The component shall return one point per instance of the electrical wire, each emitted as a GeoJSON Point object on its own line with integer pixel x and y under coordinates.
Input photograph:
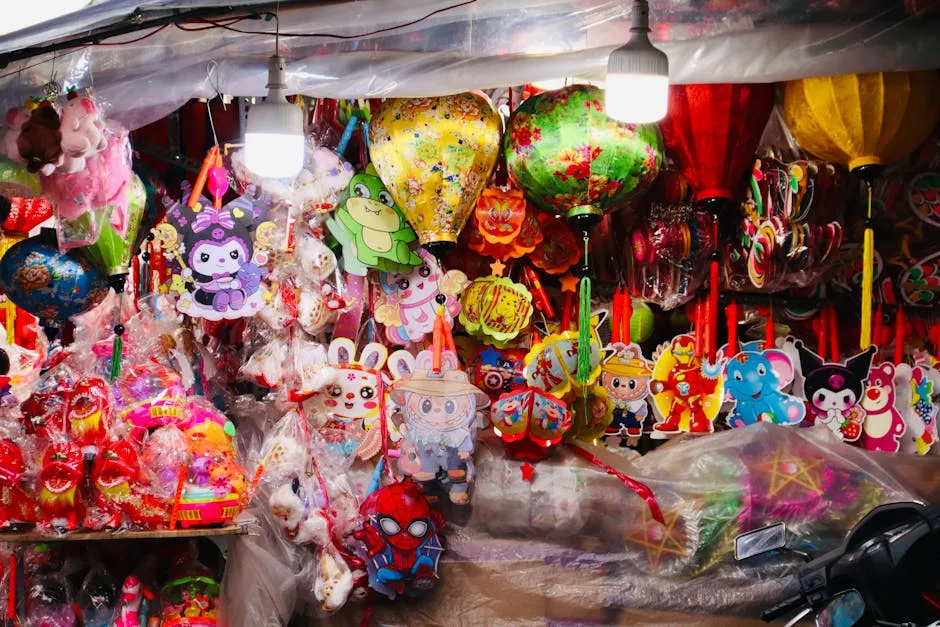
{"type": "Point", "coordinates": [131, 41]}
{"type": "Point", "coordinates": [344, 37]}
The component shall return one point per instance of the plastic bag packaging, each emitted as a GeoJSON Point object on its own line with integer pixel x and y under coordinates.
{"type": "Point", "coordinates": [576, 544]}
{"type": "Point", "coordinates": [18, 508]}
{"type": "Point", "coordinates": [792, 212]}
{"type": "Point", "coordinates": [49, 602]}
{"type": "Point", "coordinates": [97, 597]}
{"type": "Point", "coordinates": [470, 47]}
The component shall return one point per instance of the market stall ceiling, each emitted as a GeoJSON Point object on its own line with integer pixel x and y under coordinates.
{"type": "Point", "coordinates": [464, 45]}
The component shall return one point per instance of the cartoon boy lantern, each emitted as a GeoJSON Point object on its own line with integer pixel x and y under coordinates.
{"type": "Point", "coordinates": [439, 420]}
{"type": "Point", "coordinates": [626, 378]}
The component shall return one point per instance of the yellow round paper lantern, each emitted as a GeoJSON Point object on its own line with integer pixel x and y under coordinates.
{"type": "Point", "coordinates": [436, 156]}
{"type": "Point", "coordinates": [862, 120]}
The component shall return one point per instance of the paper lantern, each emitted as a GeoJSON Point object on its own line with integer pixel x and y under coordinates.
{"type": "Point", "coordinates": [571, 159]}
{"type": "Point", "coordinates": [436, 156]}
{"type": "Point", "coordinates": [712, 132]}
{"type": "Point", "coordinates": [495, 309]}
{"type": "Point", "coordinates": [50, 285]}
{"type": "Point", "coordinates": [530, 422]}
{"type": "Point", "coordinates": [863, 121]}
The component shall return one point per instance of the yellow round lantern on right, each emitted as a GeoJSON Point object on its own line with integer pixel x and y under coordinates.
{"type": "Point", "coordinates": [864, 121]}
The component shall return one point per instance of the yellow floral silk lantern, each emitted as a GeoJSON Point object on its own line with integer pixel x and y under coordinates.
{"type": "Point", "coordinates": [864, 121]}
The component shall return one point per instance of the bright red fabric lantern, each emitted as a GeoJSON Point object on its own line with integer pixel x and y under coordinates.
{"type": "Point", "coordinates": [712, 131]}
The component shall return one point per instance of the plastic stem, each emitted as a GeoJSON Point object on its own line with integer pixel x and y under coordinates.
{"type": "Point", "coordinates": [626, 318]}
{"type": "Point", "coordinates": [899, 324]}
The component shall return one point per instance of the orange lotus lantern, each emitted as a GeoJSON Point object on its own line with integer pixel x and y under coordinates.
{"type": "Point", "coordinates": [499, 215]}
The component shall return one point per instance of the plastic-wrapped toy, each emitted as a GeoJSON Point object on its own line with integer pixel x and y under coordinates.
{"type": "Point", "coordinates": [97, 596]}
{"type": "Point", "coordinates": [884, 425]}
{"type": "Point", "coordinates": [294, 505]}
{"type": "Point", "coordinates": [127, 613]}
{"type": "Point", "coordinates": [43, 412]}
{"type": "Point", "coordinates": [834, 391]}
{"type": "Point", "coordinates": [164, 452]}
{"type": "Point", "coordinates": [214, 484]}
{"type": "Point", "coordinates": [914, 399]}
{"type": "Point", "coordinates": [400, 534]}
{"type": "Point", "coordinates": [351, 402]}
{"type": "Point", "coordinates": [686, 389]}
{"type": "Point", "coordinates": [625, 375]}
{"type": "Point", "coordinates": [439, 424]}
{"type": "Point", "coordinates": [120, 491]}
{"type": "Point", "coordinates": [49, 602]}
{"type": "Point", "coordinates": [755, 379]}
{"type": "Point", "coordinates": [40, 138]}
{"type": "Point", "coordinates": [191, 598]}
{"type": "Point", "coordinates": [334, 582]}
{"type": "Point", "coordinates": [89, 413]}
{"type": "Point", "coordinates": [16, 118]}
{"type": "Point", "coordinates": [17, 505]}
{"type": "Point", "coordinates": [148, 396]}
{"type": "Point", "coordinates": [60, 479]}
{"type": "Point", "coordinates": [82, 132]}
{"type": "Point", "coordinates": [317, 186]}
{"type": "Point", "coordinates": [412, 298]}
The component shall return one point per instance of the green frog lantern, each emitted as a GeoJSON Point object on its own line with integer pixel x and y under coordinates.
{"type": "Point", "coordinates": [371, 228]}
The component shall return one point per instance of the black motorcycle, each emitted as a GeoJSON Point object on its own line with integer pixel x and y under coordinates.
{"type": "Point", "coordinates": [886, 572]}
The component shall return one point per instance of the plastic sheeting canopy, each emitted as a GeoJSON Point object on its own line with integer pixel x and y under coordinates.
{"type": "Point", "coordinates": [477, 45]}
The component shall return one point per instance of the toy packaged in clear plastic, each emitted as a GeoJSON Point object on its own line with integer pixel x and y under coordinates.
{"type": "Point", "coordinates": [191, 597]}
{"type": "Point", "coordinates": [18, 504]}
{"type": "Point", "coordinates": [49, 601]}
{"type": "Point", "coordinates": [97, 597]}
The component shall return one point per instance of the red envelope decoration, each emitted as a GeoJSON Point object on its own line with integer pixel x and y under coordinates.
{"type": "Point", "coordinates": [500, 214]}
{"type": "Point", "coordinates": [530, 422]}
{"type": "Point", "coordinates": [560, 249]}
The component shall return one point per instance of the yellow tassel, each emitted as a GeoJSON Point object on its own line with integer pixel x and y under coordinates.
{"type": "Point", "coordinates": [868, 279]}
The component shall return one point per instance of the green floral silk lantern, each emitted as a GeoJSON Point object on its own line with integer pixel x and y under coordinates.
{"type": "Point", "coordinates": [571, 159]}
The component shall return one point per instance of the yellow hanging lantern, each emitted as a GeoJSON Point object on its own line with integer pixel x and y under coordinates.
{"type": "Point", "coordinates": [864, 121]}
{"type": "Point", "coordinates": [436, 156]}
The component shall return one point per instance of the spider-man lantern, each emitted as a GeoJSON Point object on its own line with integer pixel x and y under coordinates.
{"type": "Point", "coordinates": [400, 536]}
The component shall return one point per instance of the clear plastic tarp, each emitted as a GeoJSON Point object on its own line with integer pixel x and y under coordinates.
{"type": "Point", "coordinates": [464, 45]}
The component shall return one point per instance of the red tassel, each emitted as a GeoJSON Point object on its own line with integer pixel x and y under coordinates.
{"type": "Point", "coordinates": [732, 317]}
{"type": "Point", "coordinates": [822, 330]}
{"type": "Point", "coordinates": [699, 313]}
{"type": "Point", "coordinates": [616, 315]}
{"type": "Point", "coordinates": [712, 312]}
{"type": "Point", "coordinates": [833, 334]}
{"type": "Point", "coordinates": [769, 332]}
{"type": "Point", "coordinates": [878, 326]}
{"type": "Point", "coordinates": [626, 317]}
{"type": "Point", "coordinates": [899, 333]}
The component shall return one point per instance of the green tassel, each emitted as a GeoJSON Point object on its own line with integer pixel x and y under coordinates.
{"type": "Point", "coordinates": [584, 331]}
{"type": "Point", "coordinates": [117, 354]}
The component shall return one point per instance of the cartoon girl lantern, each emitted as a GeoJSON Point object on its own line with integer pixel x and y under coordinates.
{"type": "Point", "coordinates": [439, 420]}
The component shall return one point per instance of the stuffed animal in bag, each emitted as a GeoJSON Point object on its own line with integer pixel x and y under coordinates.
{"type": "Point", "coordinates": [82, 132]}
{"type": "Point", "coordinates": [39, 141]}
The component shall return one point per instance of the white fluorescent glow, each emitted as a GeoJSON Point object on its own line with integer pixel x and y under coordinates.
{"type": "Point", "coordinates": [637, 98]}
{"type": "Point", "coordinates": [274, 155]}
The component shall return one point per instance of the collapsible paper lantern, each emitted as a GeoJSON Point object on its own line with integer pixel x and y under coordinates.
{"type": "Point", "coordinates": [436, 155]}
{"type": "Point", "coordinates": [495, 309]}
{"type": "Point", "coordinates": [570, 158]}
{"type": "Point", "coordinates": [712, 132]}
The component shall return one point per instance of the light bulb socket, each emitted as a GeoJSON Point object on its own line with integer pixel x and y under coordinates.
{"type": "Point", "coordinates": [277, 77]}
{"type": "Point", "coordinates": [639, 55]}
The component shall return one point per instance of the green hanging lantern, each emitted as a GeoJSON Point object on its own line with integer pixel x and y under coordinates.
{"type": "Point", "coordinates": [112, 252]}
{"type": "Point", "coordinates": [571, 159]}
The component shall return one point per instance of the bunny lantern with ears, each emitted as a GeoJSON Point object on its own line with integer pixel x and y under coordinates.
{"type": "Point", "coordinates": [439, 420]}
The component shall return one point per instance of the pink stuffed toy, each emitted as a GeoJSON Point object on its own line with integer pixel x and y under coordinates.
{"type": "Point", "coordinates": [82, 132]}
{"type": "Point", "coordinates": [101, 183]}
{"type": "Point", "coordinates": [16, 118]}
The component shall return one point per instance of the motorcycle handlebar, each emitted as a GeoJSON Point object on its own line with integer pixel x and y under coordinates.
{"type": "Point", "coordinates": [781, 608]}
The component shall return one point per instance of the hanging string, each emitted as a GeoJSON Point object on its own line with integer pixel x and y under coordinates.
{"type": "Point", "coordinates": [868, 270]}
{"type": "Point", "coordinates": [641, 489]}
{"type": "Point", "coordinates": [698, 324]}
{"type": "Point", "coordinates": [732, 317]}
{"type": "Point", "coordinates": [769, 334]}
{"type": "Point", "coordinates": [834, 350]}
{"type": "Point", "coordinates": [878, 326]}
{"type": "Point", "coordinates": [616, 317]}
{"type": "Point", "coordinates": [626, 318]}
{"type": "Point", "coordinates": [822, 330]}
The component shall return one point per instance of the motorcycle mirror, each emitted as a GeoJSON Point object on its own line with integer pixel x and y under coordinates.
{"type": "Point", "coordinates": [845, 610]}
{"type": "Point", "coordinates": [759, 541]}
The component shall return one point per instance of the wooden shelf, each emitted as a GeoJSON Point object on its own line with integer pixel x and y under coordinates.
{"type": "Point", "coordinates": [33, 537]}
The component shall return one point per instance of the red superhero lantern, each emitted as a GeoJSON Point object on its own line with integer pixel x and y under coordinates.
{"type": "Point", "coordinates": [400, 535]}
{"type": "Point", "coordinates": [687, 389]}
{"type": "Point", "coordinates": [89, 413]}
{"type": "Point", "coordinates": [60, 479]}
{"type": "Point", "coordinates": [121, 494]}
{"type": "Point", "coordinates": [16, 506]}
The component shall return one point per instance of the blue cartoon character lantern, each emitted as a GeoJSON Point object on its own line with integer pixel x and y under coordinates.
{"type": "Point", "coordinates": [755, 379]}
{"type": "Point", "coordinates": [400, 540]}
{"type": "Point", "coordinates": [220, 272]}
{"type": "Point", "coordinates": [439, 420]}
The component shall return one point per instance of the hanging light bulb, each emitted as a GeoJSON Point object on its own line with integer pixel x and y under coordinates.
{"type": "Point", "coordinates": [274, 137]}
{"type": "Point", "coordinates": [637, 75]}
